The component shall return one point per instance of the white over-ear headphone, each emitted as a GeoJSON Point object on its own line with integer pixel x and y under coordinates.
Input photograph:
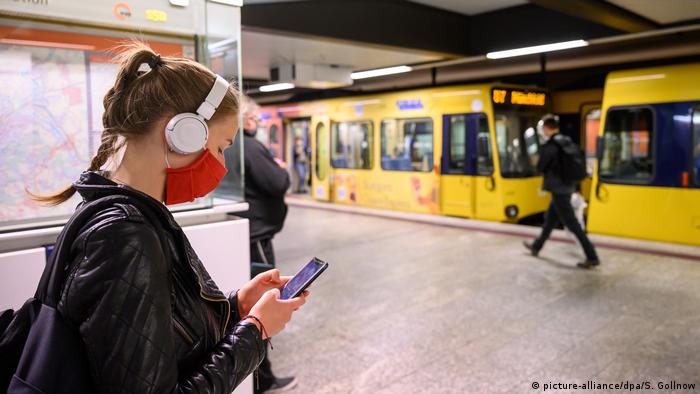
{"type": "Point", "coordinates": [187, 133]}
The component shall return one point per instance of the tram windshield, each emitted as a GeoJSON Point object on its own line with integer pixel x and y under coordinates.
{"type": "Point", "coordinates": [517, 142]}
{"type": "Point", "coordinates": [516, 114]}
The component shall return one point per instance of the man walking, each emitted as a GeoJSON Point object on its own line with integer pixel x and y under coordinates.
{"type": "Point", "coordinates": [563, 167]}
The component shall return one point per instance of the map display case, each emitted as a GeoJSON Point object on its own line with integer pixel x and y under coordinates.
{"type": "Point", "coordinates": [56, 64]}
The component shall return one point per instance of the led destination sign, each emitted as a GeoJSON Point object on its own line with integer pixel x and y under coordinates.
{"type": "Point", "coordinates": [518, 97]}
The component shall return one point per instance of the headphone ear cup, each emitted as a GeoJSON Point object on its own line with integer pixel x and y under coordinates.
{"type": "Point", "coordinates": [186, 133]}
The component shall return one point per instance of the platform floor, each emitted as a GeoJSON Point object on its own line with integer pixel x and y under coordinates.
{"type": "Point", "coordinates": [419, 308]}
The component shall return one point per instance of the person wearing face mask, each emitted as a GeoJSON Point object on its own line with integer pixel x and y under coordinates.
{"type": "Point", "coordinates": [148, 315]}
{"type": "Point", "coordinates": [267, 182]}
{"type": "Point", "coordinates": [551, 164]}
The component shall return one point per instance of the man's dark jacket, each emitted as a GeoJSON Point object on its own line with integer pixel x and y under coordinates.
{"type": "Point", "coordinates": [550, 165]}
{"type": "Point", "coordinates": [151, 318]}
{"type": "Point", "coordinates": [266, 184]}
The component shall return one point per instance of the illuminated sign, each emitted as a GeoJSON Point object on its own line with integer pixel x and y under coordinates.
{"type": "Point", "coordinates": [154, 15]}
{"type": "Point", "coordinates": [405, 105]}
{"type": "Point", "coordinates": [518, 97]}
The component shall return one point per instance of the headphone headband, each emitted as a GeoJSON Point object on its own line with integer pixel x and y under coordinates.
{"type": "Point", "coordinates": [214, 98]}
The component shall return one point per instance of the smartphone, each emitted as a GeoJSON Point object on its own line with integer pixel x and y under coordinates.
{"type": "Point", "coordinates": [303, 279]}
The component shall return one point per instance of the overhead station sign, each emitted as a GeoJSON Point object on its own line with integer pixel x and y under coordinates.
{"type": "Point", "coordinates": [518, 97]}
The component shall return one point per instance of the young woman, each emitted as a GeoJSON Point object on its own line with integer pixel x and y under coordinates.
{"type": "Point", "coordinates": [149, 315]}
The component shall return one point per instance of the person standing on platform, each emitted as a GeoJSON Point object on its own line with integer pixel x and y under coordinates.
{"type": "Point", "coordinates": [266, 182]}
{"type": "Point", "coordinates": [301, 162]}
{"type": "Point", "coordinates": [563, 167]}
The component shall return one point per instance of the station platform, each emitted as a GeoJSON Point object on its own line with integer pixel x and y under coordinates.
{"type": "Point", "coordinates": [414, 306]}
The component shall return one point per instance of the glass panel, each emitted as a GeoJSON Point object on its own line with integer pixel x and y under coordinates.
{"type": "Point", "coordinates": [458, 144]}
{"type": "Point", "coordinates": [627, 154]}
{"type": "Point", "coordinates": [592, 128]}
{"type": "Point", "coordinates": [321, 151]}
{"type": "Point", "coordinates": [518, 144]}
{"type": "Point", "coordinates": [696, 146]}
{"type": "Point", "coordinates": [352, 145]}
{"type": "Point", "coordinates": [484, 158]}
{"type": "Point", "coordinates": [220, 50]}
{"type": "Point", "coordinates": [407, 144]}
{"type": "Point", "coordinates": [275, 149]}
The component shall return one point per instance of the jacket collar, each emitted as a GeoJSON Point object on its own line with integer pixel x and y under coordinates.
{"type": "Point", "coordinates": [95, 184]}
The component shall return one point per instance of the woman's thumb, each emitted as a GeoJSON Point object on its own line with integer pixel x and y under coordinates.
{"type": "Point", "coordinates": [272, 293]}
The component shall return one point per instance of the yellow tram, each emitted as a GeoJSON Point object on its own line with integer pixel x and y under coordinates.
{"type": "Point", "coordinates": [648, 180]}
{"type": "Point", "coordinates": [468, 151]}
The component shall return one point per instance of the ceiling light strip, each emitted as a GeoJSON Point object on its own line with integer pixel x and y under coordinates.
{"type": "Point", "coordinates": [537, 49]}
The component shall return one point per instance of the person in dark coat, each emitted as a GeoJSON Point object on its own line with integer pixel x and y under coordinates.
{"type": "Point", "coordinates": [560, 208]}
{"type": "Point", "coordinates": [267, 182]}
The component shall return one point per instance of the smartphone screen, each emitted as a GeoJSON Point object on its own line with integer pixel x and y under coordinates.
{"type": "Point", "coordinates": [303, 279]}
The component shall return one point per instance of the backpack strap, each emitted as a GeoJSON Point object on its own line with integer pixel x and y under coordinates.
{"type": "Point", "coordinates": [53, 277]}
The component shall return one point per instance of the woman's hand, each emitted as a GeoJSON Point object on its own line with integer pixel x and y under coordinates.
{"type": "Point", "coordinates": [251, 292]}
{"type": "Point", "coordinates": [275, 313]}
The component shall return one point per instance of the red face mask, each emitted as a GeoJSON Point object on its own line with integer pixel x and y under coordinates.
{"type": "Point", "coordinates": [196, 180]}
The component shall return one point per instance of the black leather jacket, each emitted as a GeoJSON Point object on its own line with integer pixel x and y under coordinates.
{"type": "Point", "coordinates": [151, 318]}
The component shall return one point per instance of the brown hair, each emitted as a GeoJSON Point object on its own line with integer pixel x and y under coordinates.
{"type": "Point", "coordinates": [140, 98]}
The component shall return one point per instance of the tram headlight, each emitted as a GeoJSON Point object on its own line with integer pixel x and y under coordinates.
{"type": "Point", "coordinates": [511, 211]}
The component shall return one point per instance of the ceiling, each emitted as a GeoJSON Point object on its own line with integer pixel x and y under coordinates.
{"type": "Point", "coordinates": [662, 11]}
{"type": "Point", "coordinates": [263, 50]}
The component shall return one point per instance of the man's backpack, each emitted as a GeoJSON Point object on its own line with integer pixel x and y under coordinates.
{"type": "Point", "coordinates": [572, 163]}
{"type": "Point", "coordinates": [40, 352]}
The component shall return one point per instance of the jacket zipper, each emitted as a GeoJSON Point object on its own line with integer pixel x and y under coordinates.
{"type": "Point", "coordinates": [206, 296]}
{"type": "Point", "coordinates": [182, 330]}
{"type": "Point", "coordinates": [228, 309]}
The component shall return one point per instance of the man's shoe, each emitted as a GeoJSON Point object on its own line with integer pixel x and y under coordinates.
{"type": "Point", "coordinates": [588, 264]}
{"type": "Point", "coordinates": [282, 385]}
{"type": "Point", "coordinates": [530, 246]}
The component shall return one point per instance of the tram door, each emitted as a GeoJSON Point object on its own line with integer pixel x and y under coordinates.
{"type": "Point", "coordinates": [320, 158]}
{"type": "Point", "coordinates": [459, 138]}
{"type": "Point", "coordinates": [590, 128]}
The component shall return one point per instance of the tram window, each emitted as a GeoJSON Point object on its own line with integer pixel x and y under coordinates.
{"type": "Point", "coordinates": [696, 146]}
{"type": "Point", "coordinates": [352, 145]}
{"type": "Point", "coordinates": [592, 128]}
{"type": "Point", "coordinates": [261, 135]}
{"type": "Point", "coordinates": [518, 144]}
{"type": "Point", "coordinates": [627, 151]}
{"type": "Point", "coordinates": [484, 159]}
{"type": "Point", "coordinates": [407, 144]}
{"type": "Point", "coordinates": [273, 134]}
{"type": "Point", "coordinates": [458, 144]}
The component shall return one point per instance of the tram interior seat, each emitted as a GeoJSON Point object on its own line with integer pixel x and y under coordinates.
{"type": "Point", "coordinates": [340, 162]}
{"type": "Point", "coordinates": [398, 164]}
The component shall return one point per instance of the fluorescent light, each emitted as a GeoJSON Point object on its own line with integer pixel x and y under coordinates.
{"type": "Point", "coordinates": [276, 86]}
{"type": "Point", "coordinates": [380, 72]}
{"type": "Point", "coordinates": [637, 78]}
{"type": "Point", "coordinates": [537, 49]}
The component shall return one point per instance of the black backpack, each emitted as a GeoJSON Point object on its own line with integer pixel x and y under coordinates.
{"type": "Point", "coordinates": [40, 352]}
{"type": "Point", "coordinates": [572, 163]}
